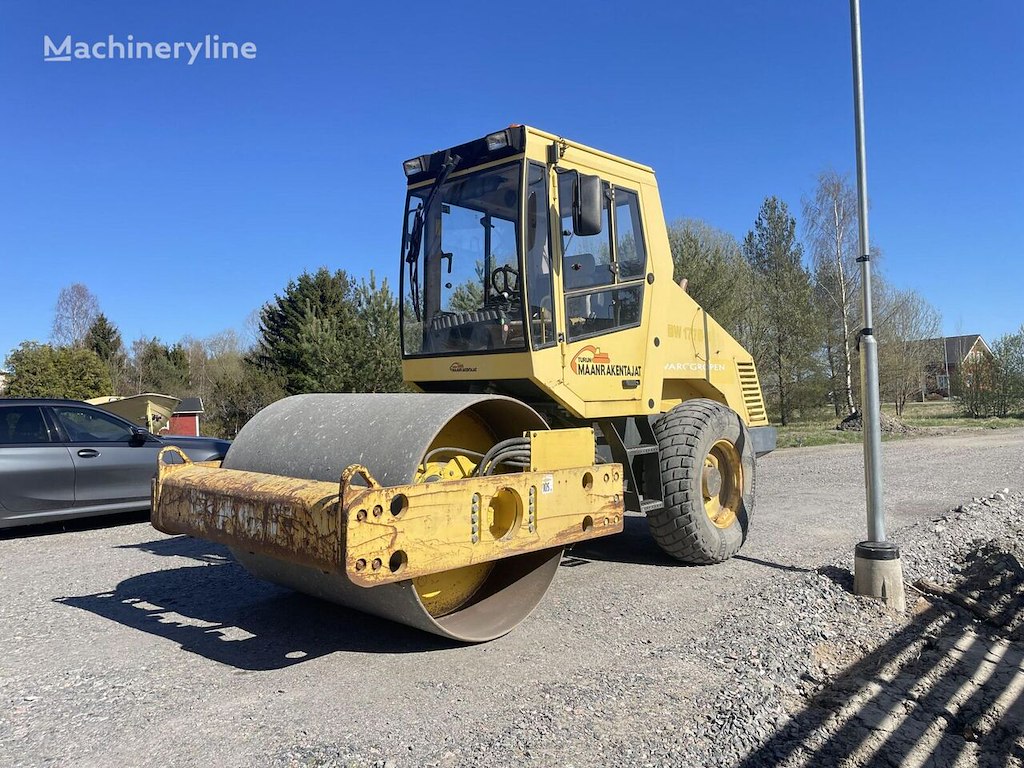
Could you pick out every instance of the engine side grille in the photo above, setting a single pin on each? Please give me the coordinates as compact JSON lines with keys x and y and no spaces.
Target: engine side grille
{"x":751,"y":389}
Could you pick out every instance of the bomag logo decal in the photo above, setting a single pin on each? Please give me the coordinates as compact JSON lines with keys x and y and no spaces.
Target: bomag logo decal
{"x":591,"y":361}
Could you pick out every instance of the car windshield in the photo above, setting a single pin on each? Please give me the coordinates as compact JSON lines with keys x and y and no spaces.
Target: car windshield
{"x":462,"y":290}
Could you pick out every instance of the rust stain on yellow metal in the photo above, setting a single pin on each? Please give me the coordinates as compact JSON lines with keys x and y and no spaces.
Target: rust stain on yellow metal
{"x":294,"y":520}
{"x":383,"y":534}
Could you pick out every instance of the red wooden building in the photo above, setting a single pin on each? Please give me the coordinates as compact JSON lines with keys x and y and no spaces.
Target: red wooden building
{"x":185,"y":419}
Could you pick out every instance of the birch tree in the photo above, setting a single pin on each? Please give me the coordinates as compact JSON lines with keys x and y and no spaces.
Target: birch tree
{"x":907,"y":328}
{"x":830,"y":224}
{"x":76,"y":310}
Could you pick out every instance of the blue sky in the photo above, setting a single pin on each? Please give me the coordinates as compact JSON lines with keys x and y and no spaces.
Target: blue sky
{"x":186,"y":196}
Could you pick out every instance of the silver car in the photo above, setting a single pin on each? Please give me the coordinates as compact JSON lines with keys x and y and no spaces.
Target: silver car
{"x":61,"y":459}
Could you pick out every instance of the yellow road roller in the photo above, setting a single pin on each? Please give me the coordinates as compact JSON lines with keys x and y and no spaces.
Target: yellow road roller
{"x":563,"y":380}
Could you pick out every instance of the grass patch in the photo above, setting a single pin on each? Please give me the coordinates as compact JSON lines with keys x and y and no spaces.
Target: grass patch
{"x":803,"y":434}
{"x":945,"y":414}
{"x":819,"y":428}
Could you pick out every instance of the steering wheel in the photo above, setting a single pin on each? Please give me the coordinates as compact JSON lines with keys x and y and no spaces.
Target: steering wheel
{"x":505,"y":280}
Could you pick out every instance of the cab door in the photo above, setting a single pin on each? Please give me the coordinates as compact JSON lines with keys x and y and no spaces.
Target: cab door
{"x":603,"y":282}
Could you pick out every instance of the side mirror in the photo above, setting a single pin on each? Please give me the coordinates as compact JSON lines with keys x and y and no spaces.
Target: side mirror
{"x":139,"y":437}
{"x":531,"y":221}
{"x":587,"y":202}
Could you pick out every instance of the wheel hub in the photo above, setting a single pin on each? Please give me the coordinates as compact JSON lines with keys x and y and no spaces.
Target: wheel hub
{"x":722,"y":483}
{"x":712,"y":481}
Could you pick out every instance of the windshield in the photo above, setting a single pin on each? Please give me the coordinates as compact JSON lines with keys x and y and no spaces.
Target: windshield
{"x":461,"y":287}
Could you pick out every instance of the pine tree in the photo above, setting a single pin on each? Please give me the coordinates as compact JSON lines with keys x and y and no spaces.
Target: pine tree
{"x":377,"y":364}
{"x":104,"y":339}
{"x":782,"y":286}
{"x":327,"y":333}
{"x":159,"y":368}
{"x":712,"y":263}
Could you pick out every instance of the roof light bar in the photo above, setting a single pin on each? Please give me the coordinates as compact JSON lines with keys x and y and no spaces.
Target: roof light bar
{"x":413,"y":166}
{"x":497,"y":140}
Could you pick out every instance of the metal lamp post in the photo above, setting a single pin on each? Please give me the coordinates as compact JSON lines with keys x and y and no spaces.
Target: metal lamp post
{"x":877,"y":570}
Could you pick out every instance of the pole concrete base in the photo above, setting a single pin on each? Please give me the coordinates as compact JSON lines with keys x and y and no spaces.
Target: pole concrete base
{"x":878,"y":572}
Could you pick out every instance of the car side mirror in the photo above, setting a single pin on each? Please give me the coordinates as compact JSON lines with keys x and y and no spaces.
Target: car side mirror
{"x":139,"y":437}
{"x":587,"y":202}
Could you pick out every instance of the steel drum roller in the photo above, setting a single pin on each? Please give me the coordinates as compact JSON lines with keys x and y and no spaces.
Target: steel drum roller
{"x":317,"y":436}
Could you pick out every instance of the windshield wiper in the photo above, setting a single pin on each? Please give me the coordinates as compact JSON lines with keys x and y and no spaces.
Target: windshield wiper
{"x":412,"y":255}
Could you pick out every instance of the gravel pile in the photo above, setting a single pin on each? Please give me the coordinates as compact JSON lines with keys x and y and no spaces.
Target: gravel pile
{"x":991,"y":585}
{"x":890,"y":426}
{"x":840,"y":680}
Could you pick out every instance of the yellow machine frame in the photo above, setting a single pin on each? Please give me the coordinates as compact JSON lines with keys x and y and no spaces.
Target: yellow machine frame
{"x":380,"y":535}
{"x":678,"y":351}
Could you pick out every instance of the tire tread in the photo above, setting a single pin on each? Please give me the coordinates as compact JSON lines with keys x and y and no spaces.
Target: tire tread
{"x":676,"y":526}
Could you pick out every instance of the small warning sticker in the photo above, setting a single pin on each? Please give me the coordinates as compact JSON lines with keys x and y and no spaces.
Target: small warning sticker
{"x":547,"y":484}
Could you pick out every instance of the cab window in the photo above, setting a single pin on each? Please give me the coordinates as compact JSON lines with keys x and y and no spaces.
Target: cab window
{"x":629,"y":240}
{"x":603,"y":275}
{"x":462,"y":291}
{"x":539,"y":275}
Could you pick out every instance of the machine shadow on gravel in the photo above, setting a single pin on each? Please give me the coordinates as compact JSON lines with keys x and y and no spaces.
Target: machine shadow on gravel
{"x":914,"y":698}
{"x":221,"y":613}
{"x":183,"y":546}
{"x":634,"y":546}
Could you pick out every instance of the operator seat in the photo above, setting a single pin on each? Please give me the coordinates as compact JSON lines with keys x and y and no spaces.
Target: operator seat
{"x":579,"y":271}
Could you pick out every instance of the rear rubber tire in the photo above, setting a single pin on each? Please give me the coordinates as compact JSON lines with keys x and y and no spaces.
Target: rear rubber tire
{"x":684,"y":528}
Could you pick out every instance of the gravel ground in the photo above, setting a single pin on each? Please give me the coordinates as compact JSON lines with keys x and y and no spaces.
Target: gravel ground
{"x":123,"y":646}
{"x":832,"y":679}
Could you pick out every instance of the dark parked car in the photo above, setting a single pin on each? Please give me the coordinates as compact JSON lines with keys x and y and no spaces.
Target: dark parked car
{"x":63,"y":458}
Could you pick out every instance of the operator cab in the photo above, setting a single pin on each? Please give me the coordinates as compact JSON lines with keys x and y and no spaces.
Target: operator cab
{"x":475,"y":215}
{"x":464,"y":291}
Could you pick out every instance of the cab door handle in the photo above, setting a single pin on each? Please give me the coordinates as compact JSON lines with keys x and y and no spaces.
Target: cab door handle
{"x":88,"y":453}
